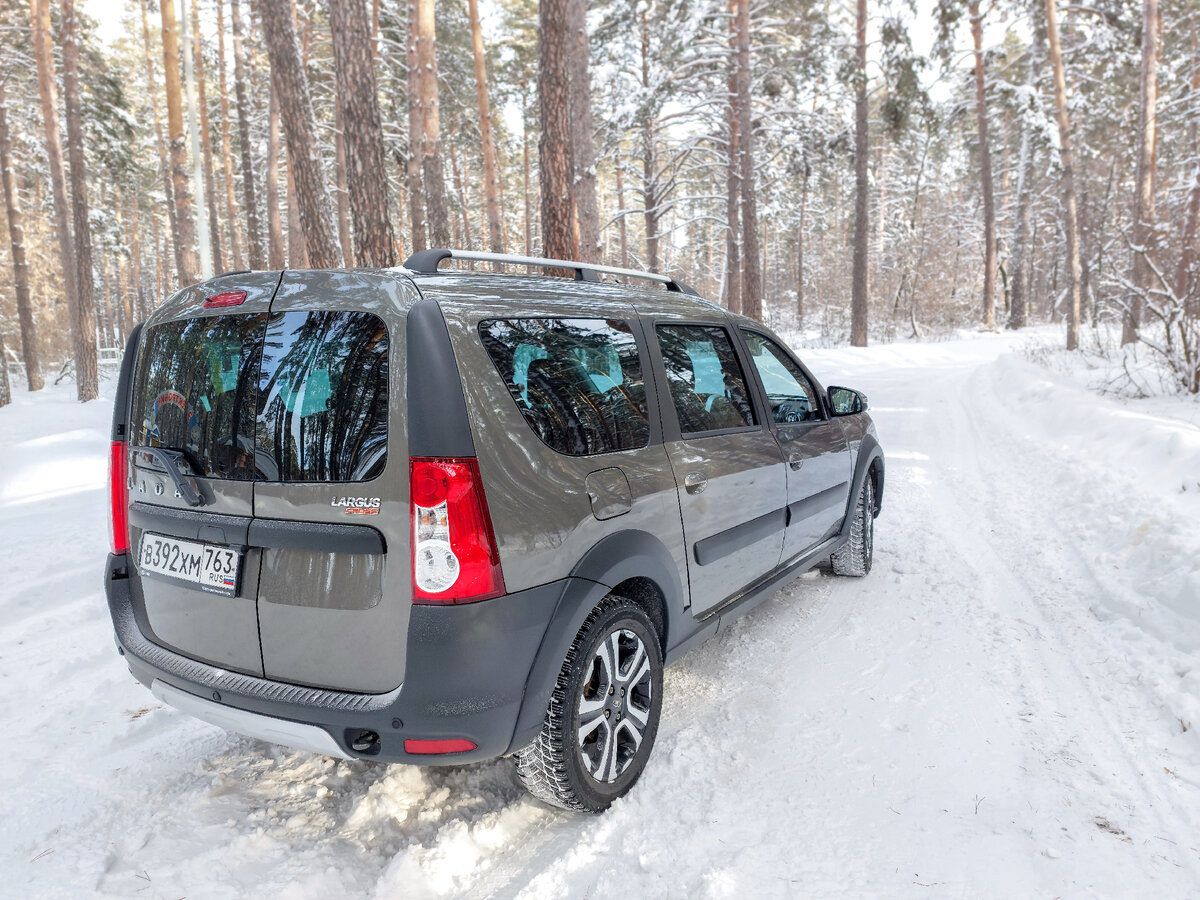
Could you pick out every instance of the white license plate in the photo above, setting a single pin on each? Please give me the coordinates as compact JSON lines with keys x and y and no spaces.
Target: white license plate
{"x":206,"y":566}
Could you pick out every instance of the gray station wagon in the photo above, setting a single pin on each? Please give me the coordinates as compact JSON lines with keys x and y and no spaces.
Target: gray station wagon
{"x":437,"y":517}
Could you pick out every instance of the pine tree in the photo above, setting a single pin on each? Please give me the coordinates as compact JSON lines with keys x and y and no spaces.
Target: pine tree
{"x":185,"y":226}
{"x":87,"y":382}
{"x":1070,"y":210}
{"x":554,"y":143}
{"x":433,"y":177}
{"x":20,"y":266}
{"x":493,"y":203}
{"x":374,"y":243}
{"x":1143,"y":215}
{"x":290,"y":83}
{"x":752,"y":292}
{"x":858,"y":304}
{"x":258,"y":259}
{"x":985,"y":171}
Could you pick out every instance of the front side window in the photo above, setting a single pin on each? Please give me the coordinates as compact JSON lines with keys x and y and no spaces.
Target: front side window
{"x":705,"y":378}
{"x":323,"y":396}
{"x":196,"y":392}
{"x":577,"y":382}
{"x":789,"y":391}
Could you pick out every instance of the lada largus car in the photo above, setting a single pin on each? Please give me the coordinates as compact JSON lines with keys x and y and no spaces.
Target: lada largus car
{"x":440,"y":516}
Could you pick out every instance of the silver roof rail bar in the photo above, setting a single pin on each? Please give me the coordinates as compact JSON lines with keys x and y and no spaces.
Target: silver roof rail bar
{"x":426,"y":262}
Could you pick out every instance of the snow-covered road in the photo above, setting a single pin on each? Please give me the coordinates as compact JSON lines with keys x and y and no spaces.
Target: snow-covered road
{"x":1009,"y":705}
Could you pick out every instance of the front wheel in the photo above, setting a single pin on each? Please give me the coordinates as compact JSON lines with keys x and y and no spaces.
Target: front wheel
{"x":855,"y":556}
{"x":603,"y":715}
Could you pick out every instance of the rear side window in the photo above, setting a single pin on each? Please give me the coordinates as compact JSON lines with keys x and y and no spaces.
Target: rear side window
{"x":196,"y":391}
{"x":577,"y":382}
{"x":705,"y":378}
{"x":323,"y":397}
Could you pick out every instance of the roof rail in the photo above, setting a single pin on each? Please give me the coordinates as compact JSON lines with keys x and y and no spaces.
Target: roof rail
{"x":426,"y":262}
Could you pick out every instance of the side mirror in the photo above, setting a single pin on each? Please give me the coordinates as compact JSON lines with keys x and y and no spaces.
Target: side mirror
{"x":846,"y":402}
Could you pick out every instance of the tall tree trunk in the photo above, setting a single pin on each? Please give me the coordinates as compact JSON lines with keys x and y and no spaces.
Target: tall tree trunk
{"x":528,"y":177}
{"x":297,"y":246}
{"x":300,"y":128}
{"x":16,"y":235}
{"x":800,"y":247}
{"x":231,"y":207}
{"x":160,"y":274}
{"x":362,"y":134}
{"x":345,"y":232}
{"x":274,"y":213}
{"x":123,"y":269}
{"x":1187,"y":250}
{"x":463,"y":205}
{"x":622,"y":228}
{"x":436,"y":214}
{"x":87,"y":382}
{"x":985,"y":169}
{"x":752,"y":291}
{"x":1019,"y":313}
{"x":1068,"y":173}
{"x":258,"y":259}
{"x":1143,"y":218}
{"x":416,"y":191}
{"x":203,"y":222}
{"x":185,"y":226}
{"x":732,"y":288}
{"x":583,"y":148}
{"x":48,"y":92}
{"x":554,"y":143}
{"x":493,"y":208}
{"x":137,"y":298}
{"x":210,"y":188}
{"x":862,"y":228}
{"x":164,"y":163}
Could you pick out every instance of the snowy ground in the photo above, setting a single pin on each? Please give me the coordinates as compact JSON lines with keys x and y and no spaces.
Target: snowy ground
{"x":1009,"y":705}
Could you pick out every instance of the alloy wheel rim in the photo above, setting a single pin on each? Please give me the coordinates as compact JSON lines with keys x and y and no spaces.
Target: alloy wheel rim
{"x":614,"y":705}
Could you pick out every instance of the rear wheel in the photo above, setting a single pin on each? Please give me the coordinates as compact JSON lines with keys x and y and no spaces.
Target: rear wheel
{"x":603,"y":715}
{"x":854,"y":557}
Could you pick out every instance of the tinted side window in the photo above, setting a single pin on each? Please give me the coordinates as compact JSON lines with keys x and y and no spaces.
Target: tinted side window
{"x":791,"y":394}
{"x":196,"y":391}
{"x":322,"y":397}
{"x":705,"y":378}
{"x":577,"y":382}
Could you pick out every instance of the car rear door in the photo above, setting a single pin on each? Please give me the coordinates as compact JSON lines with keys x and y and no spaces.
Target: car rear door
{"x":332,"y":514}
{"x":193,"y":400}
{"x":819,"y":464}
{"x":728,"y":468}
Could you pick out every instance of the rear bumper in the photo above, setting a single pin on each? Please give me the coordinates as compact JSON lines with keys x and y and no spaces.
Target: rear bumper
{"x":467,"y":676}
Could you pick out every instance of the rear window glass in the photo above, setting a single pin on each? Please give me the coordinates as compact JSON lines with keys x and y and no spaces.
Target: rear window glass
{"x":294,"y":396}
{"x":323,"y":396}
{"x":196,"y":392}
{"x":577,"y":382}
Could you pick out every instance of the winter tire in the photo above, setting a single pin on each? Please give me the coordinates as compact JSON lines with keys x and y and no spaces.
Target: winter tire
{"x":854,"y":557}
{"x":603,"y":715}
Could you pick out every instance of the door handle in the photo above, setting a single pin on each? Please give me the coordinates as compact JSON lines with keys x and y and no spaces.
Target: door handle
{"x":695,"y":482}
{"x":795,"y":460}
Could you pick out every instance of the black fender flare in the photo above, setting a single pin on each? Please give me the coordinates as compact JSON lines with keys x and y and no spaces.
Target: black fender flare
{"x":869,"y":452}
{"x":615,"y":558}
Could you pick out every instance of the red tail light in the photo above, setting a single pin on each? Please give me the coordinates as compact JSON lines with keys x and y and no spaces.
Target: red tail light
{"x":228,"y":298}
{"x":449,"y":745}
{"x":455,"y":559}
{"x":118,"y":493}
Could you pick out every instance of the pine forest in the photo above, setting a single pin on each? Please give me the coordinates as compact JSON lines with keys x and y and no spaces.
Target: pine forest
{"x":862,"y":172}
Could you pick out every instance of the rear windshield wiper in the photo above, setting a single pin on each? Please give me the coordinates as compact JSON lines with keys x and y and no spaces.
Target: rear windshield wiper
{"x":169,"y":459}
